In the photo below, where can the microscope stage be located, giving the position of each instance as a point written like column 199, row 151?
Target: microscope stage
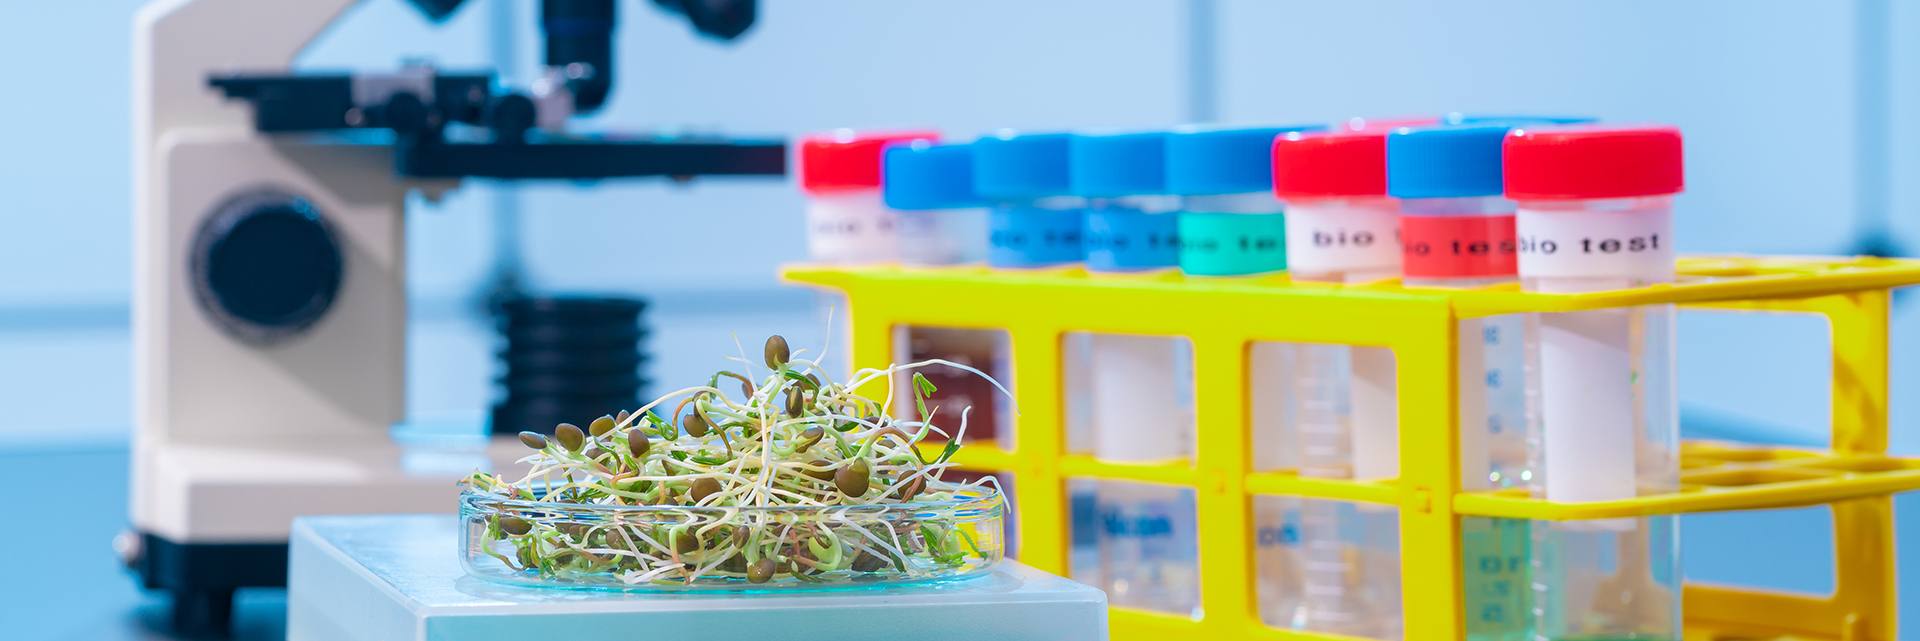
column 399, row 577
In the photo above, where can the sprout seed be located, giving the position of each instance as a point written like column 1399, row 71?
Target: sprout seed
column 570, row 436
column 638, row 443
column 824, row 476
column 702, row 488
column 777, row 353
column 515, row 525
column 852, row 479
column 600, row 426
column 533, row 440
column 694, row 424
column 795, row 403
column 622, row 416
column 760, row 571
column 809, row 437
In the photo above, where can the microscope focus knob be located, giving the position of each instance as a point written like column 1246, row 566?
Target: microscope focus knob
column 266, row 266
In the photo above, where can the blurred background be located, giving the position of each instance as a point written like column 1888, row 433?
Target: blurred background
column 1803, row 137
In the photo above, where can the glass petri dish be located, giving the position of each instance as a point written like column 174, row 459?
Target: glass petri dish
column 667, row 548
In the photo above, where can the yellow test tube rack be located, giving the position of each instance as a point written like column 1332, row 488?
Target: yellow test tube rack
column 1224, row 316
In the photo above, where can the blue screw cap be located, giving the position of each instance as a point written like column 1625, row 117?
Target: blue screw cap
column 1010, row 166
column 923, row 175
column 1205, row 160
column 1454, row 161
column 1106, row 165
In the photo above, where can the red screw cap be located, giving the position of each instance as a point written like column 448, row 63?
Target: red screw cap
column 846, row 160
column 1592, row 161
column 1328, row 165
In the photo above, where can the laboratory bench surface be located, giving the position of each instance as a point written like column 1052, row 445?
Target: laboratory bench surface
column 62, row 582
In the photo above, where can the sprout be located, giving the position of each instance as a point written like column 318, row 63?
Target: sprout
column 795, row 438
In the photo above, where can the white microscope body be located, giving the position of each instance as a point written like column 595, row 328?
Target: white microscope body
column 269, row 307
column 235, row 435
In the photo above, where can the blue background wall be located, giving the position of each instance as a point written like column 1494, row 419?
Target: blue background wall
column 1800, row 118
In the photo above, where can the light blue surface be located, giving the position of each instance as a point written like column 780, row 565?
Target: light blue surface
column 395, row 578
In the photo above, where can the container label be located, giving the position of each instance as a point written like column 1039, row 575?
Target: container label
column 1458, row 246
column 1214, row 244
column 1595, row 244
column 1128, row 239
column 1023, row 236
column 852, row 231
column 1341, row 237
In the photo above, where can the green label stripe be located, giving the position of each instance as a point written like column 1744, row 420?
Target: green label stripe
column 1214, row 244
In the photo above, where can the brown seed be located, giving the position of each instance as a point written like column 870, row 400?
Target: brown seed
column 695, row 425
column 594, row 453
column 526, row 556
column 638, row 443
column 795, row 402
column 777, row 353
column 533, row 440
column 825, row 476
column 760, row 571
column 600, row 426
column 809, row 437
column 515, row 525
column 867, row 562
column 622, row 416
column 685, row 542
column 740, row 534
column 702, row 488
column 852, row 479
column 570, row 436
column 910, row 488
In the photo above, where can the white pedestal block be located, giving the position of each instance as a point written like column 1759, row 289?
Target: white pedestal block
column 396, row 578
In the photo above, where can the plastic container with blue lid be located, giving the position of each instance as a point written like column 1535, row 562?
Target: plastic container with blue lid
column 1131, row 223
column 1230, row 224
column 1133, row 382
column 942, row 220
column 1036, row 219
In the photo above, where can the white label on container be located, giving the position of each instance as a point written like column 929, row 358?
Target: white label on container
column 1337, row 237
column 1587, row 405
column 1595, row 244
column 1376, row 415
column 1136, row 409
column 852, row 229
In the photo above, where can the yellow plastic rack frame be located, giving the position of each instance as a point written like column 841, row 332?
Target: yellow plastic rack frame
column 1222, row 316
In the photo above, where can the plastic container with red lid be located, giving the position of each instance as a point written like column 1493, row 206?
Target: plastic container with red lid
column 1341, row 226
column 847, row 221
column 1596, row 213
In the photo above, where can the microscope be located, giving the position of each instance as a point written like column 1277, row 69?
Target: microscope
column 269, row 307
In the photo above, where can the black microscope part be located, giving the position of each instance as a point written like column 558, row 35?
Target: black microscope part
column 580, row 41
column 266, row 266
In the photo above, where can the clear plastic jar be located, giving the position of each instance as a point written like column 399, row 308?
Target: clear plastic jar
column 1596, row 213
column 848, row 223
column 941, row 220
column 1232, row 225
column 1342, row 228
column 1458, row 231
column 1148, row 537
